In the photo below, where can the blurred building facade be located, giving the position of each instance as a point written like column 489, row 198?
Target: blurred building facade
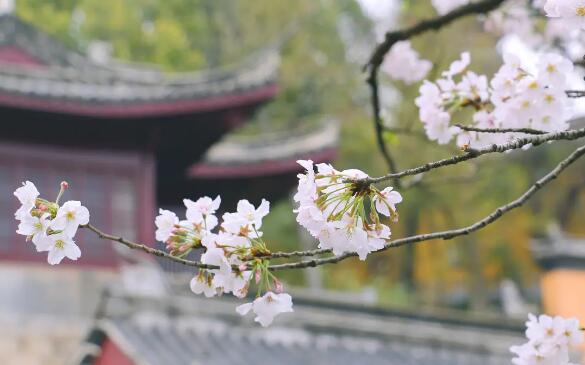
column 128, row 138
column 183, row 329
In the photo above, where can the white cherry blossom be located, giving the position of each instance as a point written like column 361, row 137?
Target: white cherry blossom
column 36, row 228
column 458, row 66
column 386, row 201
column 59, row 245
column 201, row 285
column 165, row 223
column 553, row 69
column 216, row 256
column 439, row 129
column 267, row 307
column 69, row 217
column 200, row 213
column 235, row 283
column 404, row 64
column 27, row 195
column 571, row 11
column 205, row 205
column 549, row 339
column 247, row 220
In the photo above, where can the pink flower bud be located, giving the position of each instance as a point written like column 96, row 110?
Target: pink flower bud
column 242, row 267
column 278, row 287
column 258, row 276
column 64, row 185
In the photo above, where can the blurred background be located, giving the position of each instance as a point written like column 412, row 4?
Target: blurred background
column 140, row 103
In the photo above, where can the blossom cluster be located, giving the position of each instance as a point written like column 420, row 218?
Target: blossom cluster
column 572, row 12
column 549, row 341
column 524, row 20
column 234, row 247
column 49, row 226
column 513, row 98
column 342, row 211
column 404, row 64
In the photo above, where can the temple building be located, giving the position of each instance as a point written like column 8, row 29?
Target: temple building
column 184, row 329
column 128, row 138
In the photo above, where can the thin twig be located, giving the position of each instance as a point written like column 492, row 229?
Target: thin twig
column 500, row 130
column 575, row 93
column 391, row 38
column 379, row 126
column 447, row 235
column 474, row 153
column 149, row 250
column 566, row 135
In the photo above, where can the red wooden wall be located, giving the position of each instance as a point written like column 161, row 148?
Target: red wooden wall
column 116, row 187
column 112, row 355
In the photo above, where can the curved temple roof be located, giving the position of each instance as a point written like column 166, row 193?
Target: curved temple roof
column 237, row 156
column 38, row 72
column 201, row 331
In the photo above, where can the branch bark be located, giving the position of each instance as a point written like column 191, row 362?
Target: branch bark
column 148, row 250
column 474, row 153
column 499, row 130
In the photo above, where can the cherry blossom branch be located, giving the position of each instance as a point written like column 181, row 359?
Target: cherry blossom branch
column 447, row 235
column 392, row 38
column 159, row 253
column 149, row 250
column 500, row 130
column 474, row 153
column 470, row 154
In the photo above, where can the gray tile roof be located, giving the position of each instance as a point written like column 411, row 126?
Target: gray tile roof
column 71, row 76
column 241, row 150
column 198, row 343
column 189, row 331
column 265, row 153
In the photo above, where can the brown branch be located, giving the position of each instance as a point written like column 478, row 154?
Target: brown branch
column 575, row 93
column 474, row 153
column 159, row 253
column 500, row 130
column 391, row 38
column 149, row 250
column 536, row 140
column 447, row 235
column 379, row 125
